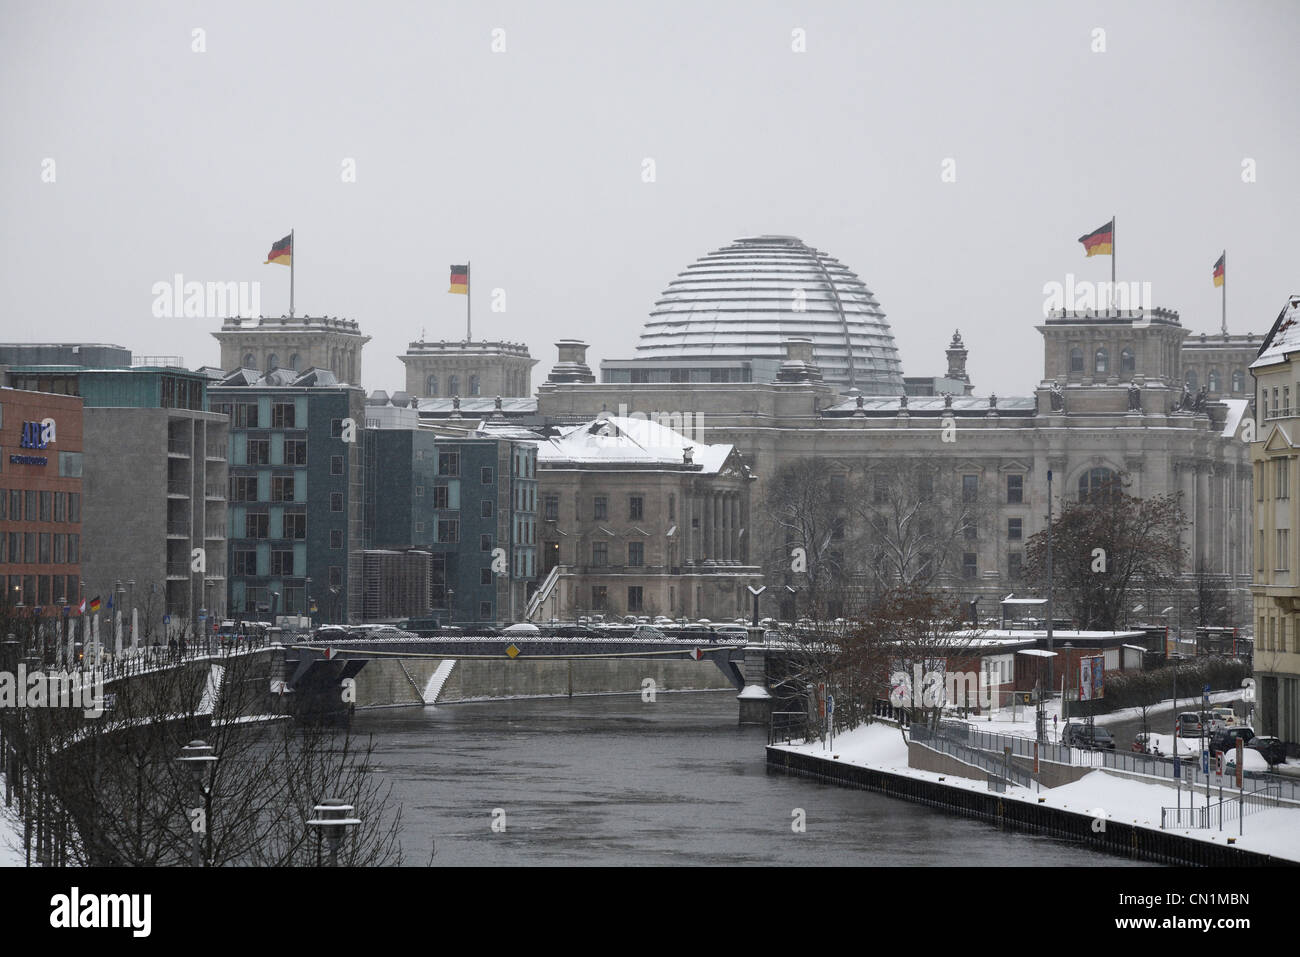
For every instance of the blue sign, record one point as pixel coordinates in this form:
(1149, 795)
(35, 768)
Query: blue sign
(1178, 766)
(830, 704)
(167, 619)
(34, 436)
(1205, 762)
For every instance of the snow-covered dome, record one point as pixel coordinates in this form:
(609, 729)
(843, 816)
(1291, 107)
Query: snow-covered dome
(745, 300)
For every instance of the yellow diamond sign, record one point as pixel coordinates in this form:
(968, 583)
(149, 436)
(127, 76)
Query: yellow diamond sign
(512, 651)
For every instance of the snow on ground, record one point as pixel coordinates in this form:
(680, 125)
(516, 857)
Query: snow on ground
(11, 836)
(1022, 723)
(1099, 793)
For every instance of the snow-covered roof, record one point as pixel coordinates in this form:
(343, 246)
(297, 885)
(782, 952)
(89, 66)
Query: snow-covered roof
(615, 440)
(1283, 338)
(1236, 411)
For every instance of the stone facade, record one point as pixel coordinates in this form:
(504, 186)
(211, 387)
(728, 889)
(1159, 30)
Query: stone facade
(468, 368)
(298, 344)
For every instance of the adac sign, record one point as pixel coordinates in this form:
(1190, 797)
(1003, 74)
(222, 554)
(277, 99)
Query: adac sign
(38, 435)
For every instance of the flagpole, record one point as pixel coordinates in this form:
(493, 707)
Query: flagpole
(1113, 298)
(468, 290)
(293, 253)
(1225, 292)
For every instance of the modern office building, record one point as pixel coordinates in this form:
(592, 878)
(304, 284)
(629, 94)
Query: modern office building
(295, 493)
(1276, 587)
(154, 513)
(41, 501)
(468, 498)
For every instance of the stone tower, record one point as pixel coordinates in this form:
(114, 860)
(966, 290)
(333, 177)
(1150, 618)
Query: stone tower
(298, 343)
(957, 358)
(468, 368)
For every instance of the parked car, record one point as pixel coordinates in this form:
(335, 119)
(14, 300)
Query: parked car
(1190, 725)
(1144, 742)
(1222, 718)
(1226, 740)
(1273, 750)
(1080, 736)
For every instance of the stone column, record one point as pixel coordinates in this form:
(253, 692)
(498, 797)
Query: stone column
(726, 526)
(735, 527)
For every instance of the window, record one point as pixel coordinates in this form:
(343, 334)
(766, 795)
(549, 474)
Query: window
(419, 491)
(485, 610)
(281, 488)
(970, 531)
(449, 530)
(1286, 400)
(487, 508)
(1098, 485)
(599, 597)
(70, 464)
(336, 464)
(925, 486)
(336, 501)
(1238, 381)
(485, 543)
(336, 428)
(431, 385)
(259, 451)
(30, 513)
(635, 507)
(245, 562)
(1015, 489)
(600, 507)
(281, 561)
(448, 463)
(600, 554)
(44, 545)
(1212, 380)
(47, 506)
(336, 538)
(282, 415)
(440, 498)
(272, 362)
(74, 506)
(295, 453)
(74, 549)
(485, 576)
(672, 508)
(1076, 360)
(453, 385)
(294, 361)
(485, 475)
(551, 508)
(256, 525)
(968, 565)
(1015, 529)
(60, 549)
(473, 385)
(246, 414)
(295, 526)
(634, 598)
(970, 487)
(1191, 379)
(243, 488)
(336, 575)
(1101, 362)
(1127, 361)
(1283, 557)
(1281, 478)
(250, 361)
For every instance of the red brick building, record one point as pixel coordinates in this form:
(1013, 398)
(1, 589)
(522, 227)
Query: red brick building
(40, 501)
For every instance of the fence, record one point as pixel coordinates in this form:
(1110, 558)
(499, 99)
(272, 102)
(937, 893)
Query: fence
(941, 740)
(1229, 810)
(787, 727)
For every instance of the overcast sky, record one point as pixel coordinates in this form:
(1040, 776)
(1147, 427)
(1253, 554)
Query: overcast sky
(529, 162)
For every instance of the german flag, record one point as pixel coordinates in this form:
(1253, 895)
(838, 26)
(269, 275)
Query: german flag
(281, 253)
(94, 604)
(460, 280)
(1098, 242)
(1219, 269)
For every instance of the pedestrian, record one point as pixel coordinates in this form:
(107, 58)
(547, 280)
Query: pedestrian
(171, 646)
(182, 646)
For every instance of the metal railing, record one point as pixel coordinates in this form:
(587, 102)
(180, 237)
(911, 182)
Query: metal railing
(179, 486)
(182, 446)
(787, 727)
(1231, 809)
(942, 741)
(178, 528)
(178, 568)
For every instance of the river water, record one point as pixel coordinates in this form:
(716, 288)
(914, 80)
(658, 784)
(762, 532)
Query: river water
(615, 781)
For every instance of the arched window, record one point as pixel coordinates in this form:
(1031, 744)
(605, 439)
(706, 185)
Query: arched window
(431, 385)
(453, 385)
(1238, 381)
(1127, 361)
(1191, 379)
(250, 361)
(1213, 380)
(272, 362)
(293, 362)
(1076, 360)
(473, 384)
(1097, 485)
(1101, 363)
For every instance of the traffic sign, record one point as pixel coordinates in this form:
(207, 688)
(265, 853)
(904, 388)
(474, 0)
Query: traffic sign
(1205, 760)
(697, 654)
(167, 619)
(830, 704)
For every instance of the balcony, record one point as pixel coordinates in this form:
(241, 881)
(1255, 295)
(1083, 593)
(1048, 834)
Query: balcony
(214, 532)
(179, 447)
(178, 529)
(179, 487)
(177, 570)
(215, 490)
(216, 451)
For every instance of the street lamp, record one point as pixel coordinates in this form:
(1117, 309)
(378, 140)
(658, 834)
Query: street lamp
(197, 756)
(333, 819)
(451, 605)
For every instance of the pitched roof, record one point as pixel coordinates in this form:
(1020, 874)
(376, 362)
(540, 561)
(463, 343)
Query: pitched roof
(1284, 338)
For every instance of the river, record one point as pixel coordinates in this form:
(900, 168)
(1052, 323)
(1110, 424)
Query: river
(614, 781)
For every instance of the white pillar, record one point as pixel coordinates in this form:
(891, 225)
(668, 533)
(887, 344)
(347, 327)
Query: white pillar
(135, 629)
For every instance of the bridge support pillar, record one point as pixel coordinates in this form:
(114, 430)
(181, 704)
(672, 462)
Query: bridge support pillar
(754, 699)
